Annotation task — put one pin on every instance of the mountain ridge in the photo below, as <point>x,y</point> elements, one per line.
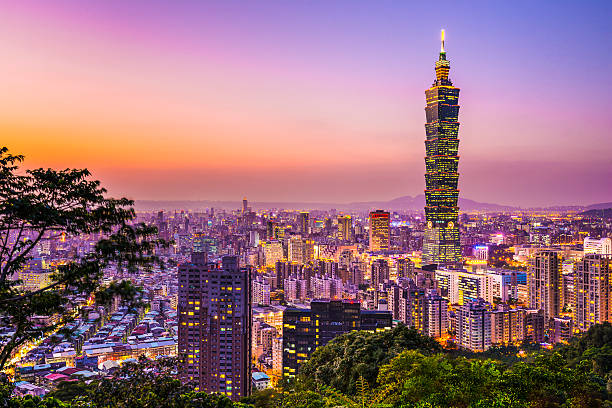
<point>404,203</point>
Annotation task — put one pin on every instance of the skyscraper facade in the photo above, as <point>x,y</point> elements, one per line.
<point>304,222</point>
<point>345,227</point>
<point>380,235</point>
<point>441,240</point>
<point>215,326</point>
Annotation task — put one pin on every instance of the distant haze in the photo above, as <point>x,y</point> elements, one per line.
<point>318,101</point>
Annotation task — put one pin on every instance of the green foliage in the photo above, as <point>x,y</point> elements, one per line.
<point>570,376</point>
<point>42,204</point>
<point>139,385</point>
<point>594,346</point>
<point>360,354</point>
<point>411,379</point>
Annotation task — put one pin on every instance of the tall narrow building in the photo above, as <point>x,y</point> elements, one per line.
<point>441,241</point>
<point>593,289</point>
<point>345,228</point>
<point>304,222</point>
<point>545,282</point>
<point>214,341</point>
<point>380,236</point>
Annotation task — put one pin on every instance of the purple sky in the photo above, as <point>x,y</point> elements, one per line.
<point>310,101</point>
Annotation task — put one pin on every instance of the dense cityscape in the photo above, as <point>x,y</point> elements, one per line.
<point>242,298</point>
<point>242,205</point>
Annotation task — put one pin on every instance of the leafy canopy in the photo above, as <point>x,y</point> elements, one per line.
<point>45,204</point>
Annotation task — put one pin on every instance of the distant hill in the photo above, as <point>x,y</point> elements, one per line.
<point>600,213</point>
<point>600,206</point>
<point>405,203</point>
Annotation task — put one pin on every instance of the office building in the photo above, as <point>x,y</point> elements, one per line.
<point>304,223</point>
<point>461,286</point>
<point>345,228</point>
<point>441,244</point>
<point>379,230</point>
<point>535,326</point>
<point>602,246</point>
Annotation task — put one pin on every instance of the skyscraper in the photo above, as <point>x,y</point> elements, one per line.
<point>215,326</point>
<point>345,227</point>
<point>379,230</point>
<point>441,241</point>
<point>304,222</point>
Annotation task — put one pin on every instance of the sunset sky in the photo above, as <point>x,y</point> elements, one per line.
<point>309,100</point>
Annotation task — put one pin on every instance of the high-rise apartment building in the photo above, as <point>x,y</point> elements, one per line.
<point>260,290</point>
<point>412,310</point>
<point>404,268</point>
<point>214,311</point>
<point>507,325</point>
<point>545,282</point>
<point>602,246</point>
<point>435,315</point>
<point>441,240</point>
<point>380,272</point>
<point>380,237</point>
<point>306,329</point>
<point>474,325</point>
<point>593,291</point>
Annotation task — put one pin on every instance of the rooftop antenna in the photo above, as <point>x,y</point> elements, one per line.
<point>442,40</point>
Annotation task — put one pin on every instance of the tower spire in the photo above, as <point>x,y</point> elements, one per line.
<point>442,65</point>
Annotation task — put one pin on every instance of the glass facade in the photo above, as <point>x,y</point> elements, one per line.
<point>441,242</point>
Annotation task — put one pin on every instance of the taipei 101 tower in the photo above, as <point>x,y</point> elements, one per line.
<point>441,241</point>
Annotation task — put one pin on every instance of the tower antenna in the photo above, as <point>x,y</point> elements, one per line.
<point>442,40</point>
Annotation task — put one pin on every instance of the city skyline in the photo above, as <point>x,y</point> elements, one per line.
<point>217,102</point>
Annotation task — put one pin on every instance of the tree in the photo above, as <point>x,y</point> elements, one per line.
<point>350,356</point>
<point>595,346</point>
<point>412,378</point>
<point>147,383</point>
<point>45,204</point>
